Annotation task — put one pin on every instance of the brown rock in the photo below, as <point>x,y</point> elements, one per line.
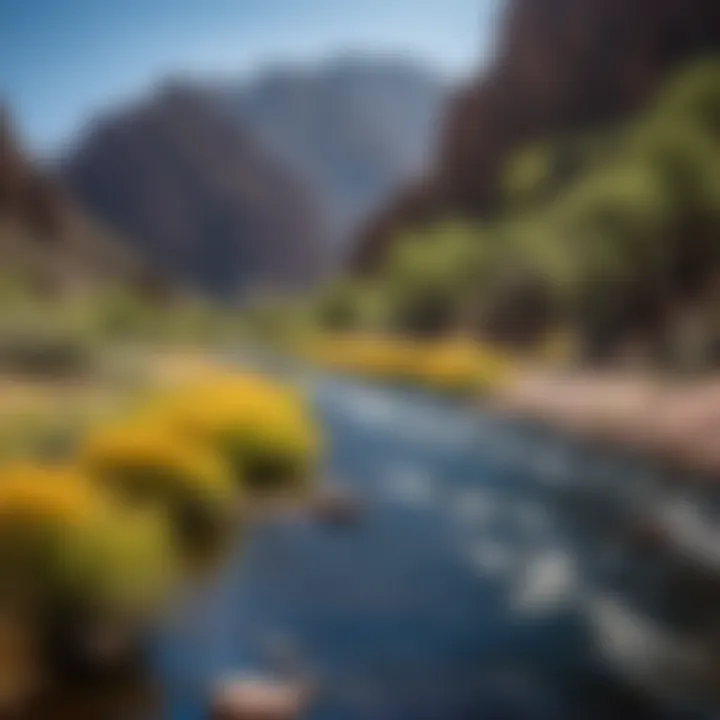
<point>337,507</point>
<point>259,699</point>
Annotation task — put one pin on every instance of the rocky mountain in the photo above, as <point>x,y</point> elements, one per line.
<point>354,130</point>
<point>43,234</point>
<point>194,192</point>
<point>236,185</point>
<point>562,67</point>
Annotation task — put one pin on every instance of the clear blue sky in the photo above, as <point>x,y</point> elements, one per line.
<point>63,60</point>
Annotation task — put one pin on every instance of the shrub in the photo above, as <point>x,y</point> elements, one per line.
<point>148,465</point>
<point>378,357</point>
<point>265,431</point>
<point>44,351</point>
<point>430,277</point>
<point>71,560</point>
<point>44,496</point>
<point>121,567</point>
<point>349,306</point>
<point>457,366</point>
<point>41,508</point>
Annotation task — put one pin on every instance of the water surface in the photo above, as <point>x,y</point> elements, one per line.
<point>463,593</point>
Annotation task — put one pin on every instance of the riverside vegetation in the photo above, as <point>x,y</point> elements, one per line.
<point>126,459</point>
<point>606,248</point>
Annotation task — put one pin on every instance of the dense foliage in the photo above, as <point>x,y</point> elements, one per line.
<point>612,237</point>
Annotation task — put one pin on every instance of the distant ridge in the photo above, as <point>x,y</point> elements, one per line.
<point>43,233</point>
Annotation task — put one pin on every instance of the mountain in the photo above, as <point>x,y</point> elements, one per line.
<point>43,234</point>
<point>194,192</point>
<point>562,67</point>
<point>354,130</point>
<point>234,185</point>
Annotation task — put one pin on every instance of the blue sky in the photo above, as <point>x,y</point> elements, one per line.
<point>63,60</point>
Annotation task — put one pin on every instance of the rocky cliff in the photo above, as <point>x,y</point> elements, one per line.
<point>562,66</point>
<point>195,194</point>
<point>43,233</point>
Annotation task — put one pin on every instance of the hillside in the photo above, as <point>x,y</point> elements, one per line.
<point>354,130</point>
<point>563,67</point>
<point>43,233</point>
<point>196,195</point>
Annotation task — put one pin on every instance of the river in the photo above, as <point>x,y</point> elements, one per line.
<point>463,593</point>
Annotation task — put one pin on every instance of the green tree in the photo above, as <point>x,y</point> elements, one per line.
<point>432,277</point>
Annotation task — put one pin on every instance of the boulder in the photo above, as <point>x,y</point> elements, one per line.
<point>256,698</point>
<point>337,508</point>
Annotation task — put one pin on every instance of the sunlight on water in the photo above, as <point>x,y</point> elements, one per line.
<point>547,581</point>
<point>368,407</point>
<point>376,410</point>
<point>474,507</point>
<point>532,518</point>
<point>437,428</point>
<point>691,532</point>
<point>410,484</point>
<point>468,551</point>
<point>493,558</point>
<point>648,653</point>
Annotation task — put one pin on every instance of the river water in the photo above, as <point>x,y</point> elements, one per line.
<point>463,594</point>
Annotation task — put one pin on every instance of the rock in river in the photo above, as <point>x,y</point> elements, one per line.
<point>256,698</point>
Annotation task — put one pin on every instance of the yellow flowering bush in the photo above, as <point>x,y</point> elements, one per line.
<point>96,546</point>
<point>456,365</point>
<point>72,560</point>
<point>463,367</point>
<point>148,464</point>
<point>377,357</point>
<point>36,495</point>
<point>122,565</point>
<point>40,508</point>
<point>265,431</point>
<point>452,367</point>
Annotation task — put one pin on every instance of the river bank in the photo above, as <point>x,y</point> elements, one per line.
<point>676,422</point>
<point>461,594</point>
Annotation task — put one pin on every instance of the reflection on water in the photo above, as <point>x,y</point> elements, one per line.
<point>482,584</point>
<point>547,582</point>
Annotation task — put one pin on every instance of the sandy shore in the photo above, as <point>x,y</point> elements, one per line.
<point>675,421</point>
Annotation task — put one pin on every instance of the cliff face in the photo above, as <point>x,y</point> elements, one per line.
<point>562,66</point>
<point>354,130</point>
<point>193,193</point>
<point>43,233</point>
